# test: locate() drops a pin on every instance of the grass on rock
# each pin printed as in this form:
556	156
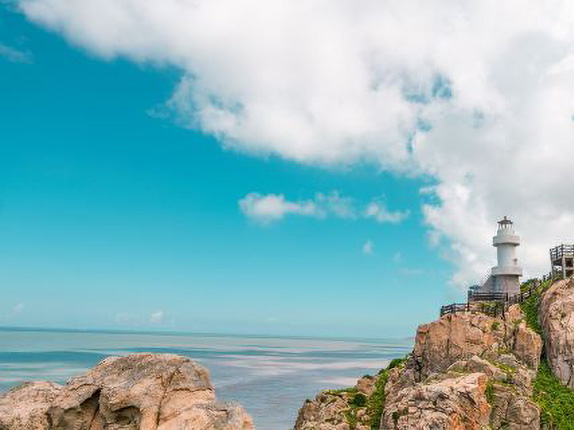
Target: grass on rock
555	400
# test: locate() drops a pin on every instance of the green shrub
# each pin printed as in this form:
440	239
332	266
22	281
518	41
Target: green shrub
489	393
351	419
358	400
395	363
528	284
376	402
530	309
351	390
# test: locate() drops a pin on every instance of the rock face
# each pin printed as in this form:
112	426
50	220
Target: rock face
453	403
467	371
335	409
144	391
463	335
556	317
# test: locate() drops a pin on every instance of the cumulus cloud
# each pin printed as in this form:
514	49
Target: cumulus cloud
269	208
157	316
368	247
273	207
379	212
478	96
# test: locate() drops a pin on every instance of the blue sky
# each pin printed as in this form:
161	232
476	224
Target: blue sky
275	166
111	217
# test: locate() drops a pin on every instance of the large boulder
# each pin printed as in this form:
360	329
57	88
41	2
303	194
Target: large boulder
143	391
467	371
471	394
339	409
556	317
460	336
458	403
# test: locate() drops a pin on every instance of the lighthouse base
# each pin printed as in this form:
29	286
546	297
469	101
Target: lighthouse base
507	284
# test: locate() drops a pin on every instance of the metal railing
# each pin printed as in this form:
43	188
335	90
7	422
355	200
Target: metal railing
478	296
492	304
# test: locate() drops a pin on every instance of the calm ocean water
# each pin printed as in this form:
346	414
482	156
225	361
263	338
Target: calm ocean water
269	376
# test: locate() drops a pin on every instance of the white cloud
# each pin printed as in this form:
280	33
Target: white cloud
273	207
368	247
157	316
15	55
269	208
379	212
476	95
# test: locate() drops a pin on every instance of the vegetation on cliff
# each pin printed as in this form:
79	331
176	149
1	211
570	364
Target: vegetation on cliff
376	402
530	306
356	408
556	401
471	370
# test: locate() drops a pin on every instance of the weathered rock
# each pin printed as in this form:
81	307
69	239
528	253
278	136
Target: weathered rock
454	403
325	412
556	317
460	336
26	407
511	411
144	391
523	342
505	352
336	409
366	385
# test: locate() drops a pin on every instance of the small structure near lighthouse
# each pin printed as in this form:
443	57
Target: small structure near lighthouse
562	261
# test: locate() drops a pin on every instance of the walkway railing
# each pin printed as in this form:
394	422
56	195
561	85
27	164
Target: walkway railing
493	304
477	296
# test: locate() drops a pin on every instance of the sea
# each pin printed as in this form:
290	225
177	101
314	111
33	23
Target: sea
270	376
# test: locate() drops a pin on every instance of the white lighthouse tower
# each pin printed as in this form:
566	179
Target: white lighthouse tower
505	276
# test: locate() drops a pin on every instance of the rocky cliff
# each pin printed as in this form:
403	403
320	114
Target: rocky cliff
144	391
556	318
466	371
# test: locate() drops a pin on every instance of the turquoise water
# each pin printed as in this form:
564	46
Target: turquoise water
270	376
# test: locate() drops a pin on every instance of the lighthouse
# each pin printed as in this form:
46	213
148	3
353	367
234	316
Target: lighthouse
505	275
